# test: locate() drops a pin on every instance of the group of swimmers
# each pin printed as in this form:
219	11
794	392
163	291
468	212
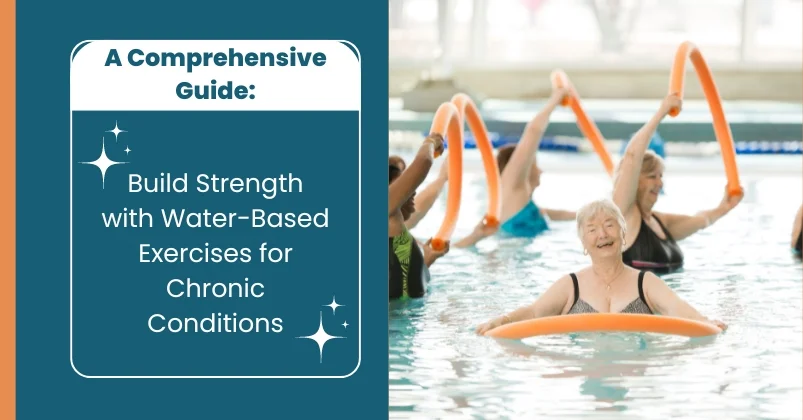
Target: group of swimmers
627	241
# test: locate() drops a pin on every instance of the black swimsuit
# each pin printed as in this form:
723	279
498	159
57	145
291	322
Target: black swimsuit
637	306
799	243
408	275
649	252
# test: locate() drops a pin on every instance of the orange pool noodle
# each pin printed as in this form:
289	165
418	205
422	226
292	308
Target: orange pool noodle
586	125
470	114
448	124
604	322
688	51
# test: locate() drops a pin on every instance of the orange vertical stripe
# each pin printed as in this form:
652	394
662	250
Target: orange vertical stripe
8	221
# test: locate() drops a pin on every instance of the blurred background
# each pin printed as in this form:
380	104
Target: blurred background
617	53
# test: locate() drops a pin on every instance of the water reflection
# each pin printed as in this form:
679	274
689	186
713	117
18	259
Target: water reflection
737	271
610	359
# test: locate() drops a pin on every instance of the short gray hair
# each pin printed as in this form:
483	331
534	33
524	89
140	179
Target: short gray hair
605	206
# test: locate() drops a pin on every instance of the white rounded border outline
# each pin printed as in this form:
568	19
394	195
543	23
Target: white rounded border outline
355	51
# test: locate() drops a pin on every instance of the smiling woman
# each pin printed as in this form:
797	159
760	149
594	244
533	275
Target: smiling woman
638	179
613	223
607	285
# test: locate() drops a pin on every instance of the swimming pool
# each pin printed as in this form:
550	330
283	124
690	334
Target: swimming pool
740	271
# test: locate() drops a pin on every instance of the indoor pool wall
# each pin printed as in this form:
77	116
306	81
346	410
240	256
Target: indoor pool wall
739	270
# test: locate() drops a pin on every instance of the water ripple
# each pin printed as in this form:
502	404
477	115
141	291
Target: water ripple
739	271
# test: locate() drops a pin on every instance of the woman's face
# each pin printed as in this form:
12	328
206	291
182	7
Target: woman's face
649	186
602	236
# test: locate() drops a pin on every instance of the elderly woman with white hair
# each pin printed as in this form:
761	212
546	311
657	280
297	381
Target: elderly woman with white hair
652	237
607	285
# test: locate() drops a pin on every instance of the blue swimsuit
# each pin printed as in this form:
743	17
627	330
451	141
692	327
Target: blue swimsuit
528	222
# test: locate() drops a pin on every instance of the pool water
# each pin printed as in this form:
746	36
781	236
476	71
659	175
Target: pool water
739	270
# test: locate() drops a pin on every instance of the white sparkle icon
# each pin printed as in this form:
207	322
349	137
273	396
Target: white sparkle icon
103	162
320	337
127	150
334	305
345	324
116	131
